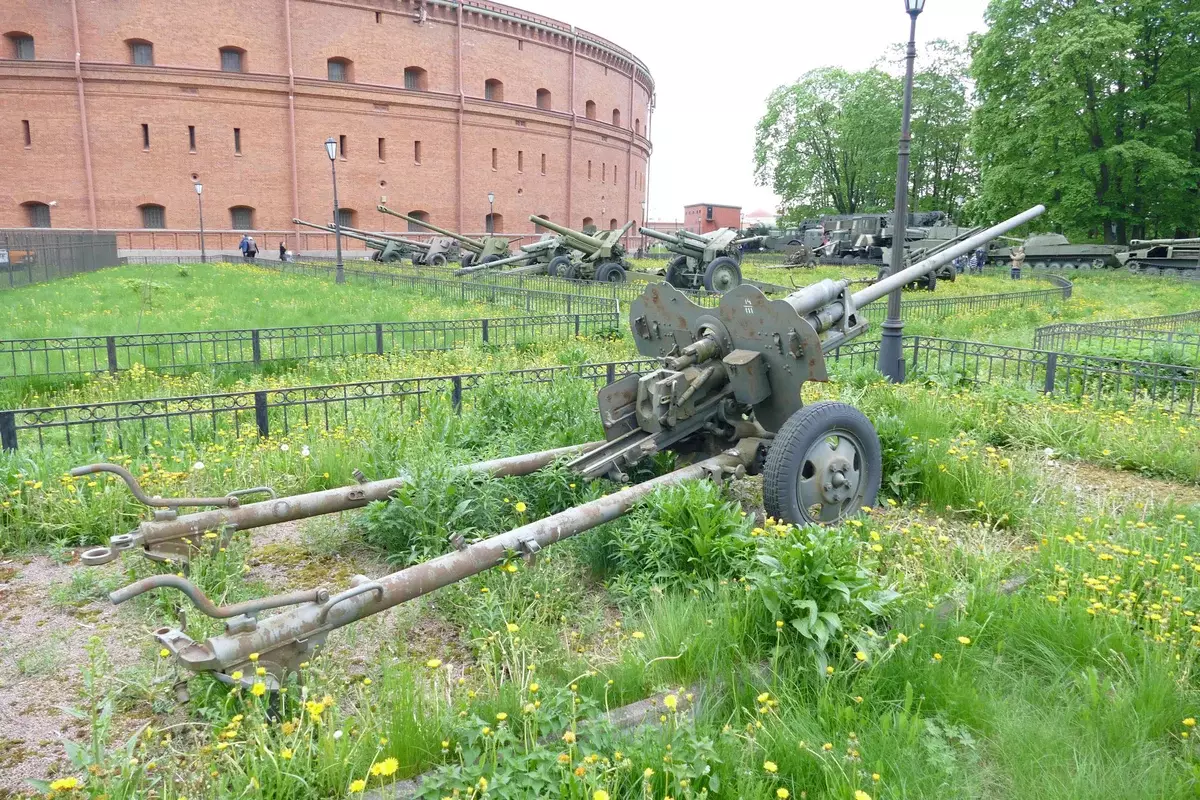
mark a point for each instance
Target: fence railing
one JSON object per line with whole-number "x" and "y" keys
{"x": 120, "y": 425}
{"x": 30, "y": 256}
{"x": 934, "y": 307}
{"x": 1066, "y": 331}
{"x": 1073, "y": 376}
{"x": 189, "y": 350}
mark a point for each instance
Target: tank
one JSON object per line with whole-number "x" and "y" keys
{"x": 1163, "y": 257}
{"x": 1055, "y": 251}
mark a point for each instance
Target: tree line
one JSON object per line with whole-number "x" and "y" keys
{"x": 1088, "y": 106}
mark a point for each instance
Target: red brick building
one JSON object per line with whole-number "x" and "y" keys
{"x": 705, "y": 217}
{"x": 434, "y": 105}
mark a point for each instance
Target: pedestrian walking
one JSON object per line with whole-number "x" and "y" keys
{"x": 251, "y": 249}
{"x": 282, "y": 252}
{"x": 244, "y": 245}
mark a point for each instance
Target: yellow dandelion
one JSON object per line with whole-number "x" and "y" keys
{"x": 258, "y": 689}
{"x": 513, "y": 628}
{"x": 638, "y": 635}
{"x": 520, "y": 506}
{"x": 671, "y": 701}
{"x": 782, "y": 793}
{"x": 860, "y": 655}
{"x": 964, "y": 640}
{"x": 771, "y": 767}
{"x": 599, "y": 794}
{"x": 433, "y": 663}
{"x": 357, "y": 785}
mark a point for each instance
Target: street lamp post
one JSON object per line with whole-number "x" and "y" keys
{"x": 891, "y": 352}
{"x": 331, "y": 151}
{"x": 200, "y": 200}
{"x": 491, "y": 226}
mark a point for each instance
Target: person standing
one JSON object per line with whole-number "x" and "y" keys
{"x": 251, "y": 249}
{"x": 244, "y": 245}
{"x": 282, "y": 252}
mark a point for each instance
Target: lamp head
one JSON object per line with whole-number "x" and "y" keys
{"x": 914, "y": 7}
{"x": 491, "y": 197}
{"x": 199, "y": 187}
{"x": 331, "y": 148}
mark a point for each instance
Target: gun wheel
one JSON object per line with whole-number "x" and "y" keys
{"x": 467, "y": 260}
{"x": 677, "y": 273}
{"x": 824, "y": 465}
{"x": 610, "y": 272}
{"x": 436, "y": 260}
{"x": 558, "y": 265}
{"x": 722, "y": 274}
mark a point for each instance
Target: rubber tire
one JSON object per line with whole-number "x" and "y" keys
{"x": 883, "y": 273}
{"x": 610, "y": 272}
{"x": 792, "y": 443}
{"x": 467, "y": 260}
{"x": 556, "y": 265}
{"x": 676, "y": 268}
{"x": 719, "y": 263}
{"x": 436, "y": 260}
{"x": 490, "y": 259}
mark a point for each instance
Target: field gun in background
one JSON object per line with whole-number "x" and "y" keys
{"x": 479, "y": 250}
{"x": 726, "y": 399}
{"x": 711, "y": 261}
{"x": 390, "y": 249}
{"x": 568, "y": 253}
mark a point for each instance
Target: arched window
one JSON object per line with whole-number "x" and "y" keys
{"x": 37, "y": 214}
{"x": 587, "y": 221}
{"x": 346, "y": 218}
{"x": 421, "y": 215}
{"x": 612, "y": 224}
{"x": 617, "y": 117}
{"x": 589, "y": 109}
{"x": 340, "y": 69}
{"x": 153, "y": 216}
{"x": 543, "y": 98}
{"x": 241, "y": 218}
{"x": 233, "y": 59}
{"x": 416, "y": 79}
{"x": 141, "y": 52}
{"x": 493, "y": 90}
{"x": 21, "y": 45}
{"x": 637, "y": 126}
{"x": 493, "y": 223}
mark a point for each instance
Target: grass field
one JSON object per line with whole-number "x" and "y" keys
{"x": 1016, "y": 618}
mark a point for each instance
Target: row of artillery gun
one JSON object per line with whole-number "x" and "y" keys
{"x": 709, "y": 261}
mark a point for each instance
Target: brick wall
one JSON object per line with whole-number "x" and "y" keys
{"x": 185, "y": 87}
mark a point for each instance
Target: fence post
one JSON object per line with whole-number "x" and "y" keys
{"x": 378, "y": 338}
{"x": 485, "y": 330}
{"x": 916, "y": 351}
{"x": 260, "y": 414}
{"x": 456, "y": 394}
{"x": 255, "y": 347}
{"x": 8, "y": 430}
{"x": 110, "y": 344}
{"x": 568, "y": 304}
{"x": 612, "y": 373}
{"x": 576, "y": 325}
{"x": 1051, "y": 369}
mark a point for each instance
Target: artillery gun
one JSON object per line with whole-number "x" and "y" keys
{"x": 481, "y": 250}
{"x": 390, "y": 249}
{"x": 727, "y": 394}
{"x": 709, "y": 260}
{"x": 1162, "y": 257}
{"x": 567, "y": 253}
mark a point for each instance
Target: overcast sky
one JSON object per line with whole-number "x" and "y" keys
{"x": 715, "y": 62}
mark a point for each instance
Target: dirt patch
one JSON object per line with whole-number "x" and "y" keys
{"x": 1090, "y": 480}
{"x": 41, "y": 663}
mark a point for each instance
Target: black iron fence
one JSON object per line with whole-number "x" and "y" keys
{"x": 126, "y": 424}
{"x": 1072, "y": 376}
{"x": 189, "y": 350}
{"x": 31, "y": 255}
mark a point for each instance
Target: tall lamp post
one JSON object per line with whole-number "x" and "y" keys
{"x": 891, "y": 351}
{"x": 200, "y": 200}
{"x": 331, "y": 150}
{"x": 491, "y": 226}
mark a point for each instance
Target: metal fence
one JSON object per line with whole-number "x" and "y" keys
{"x": 935, "y": 307}
{"x": 127, "y": 424}
{"x": 31, "y": 255}
{"x": 1073, "y": 376}
{"x": 188, "y": 350}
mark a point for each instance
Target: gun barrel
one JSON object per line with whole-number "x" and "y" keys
{"x": 573, "y": 237}
{"x": 501, "y": 262}
{"x": 662, "y": 237}
{"x": 474, "y": 245}
{"x": 906, "y": 276}
{"x": 387, "y": 237}
{"x": 351, "y": 233}
{"x": 1137, "y": 244}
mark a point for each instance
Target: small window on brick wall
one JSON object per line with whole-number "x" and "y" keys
{"x": 495, "y": 158}
{"x": 145, "y": 136}
{"x": 191, "y": 138}
{"x": 237, "y": 141}
{"x": 382, "y": 149}
{"x": 543, "y": 163}
{"x": 339, "y": 69}
{"x": 141, "y": 53}
{"x": 416, "y": 79}
{"x": 38, "y": 215}
{"x": 417, "y": 152}
{"x": 153, "y": 216}
{"x": 346, "y": 217}
{"x": 520, "y": 161}
{"x": 27, "y": 133}
{"x": 21, "y": 45}
{"x": 233, "y": 59}
{"x": 242, "y": 218}
{"x": 342, "y": 146}
{"x": 493, "y": 90}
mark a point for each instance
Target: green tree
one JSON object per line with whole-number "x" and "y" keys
{"x": 1090, "y": 107}
{"x": 827, "y": 143}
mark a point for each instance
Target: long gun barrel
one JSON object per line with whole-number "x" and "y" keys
{"x": 353, "y": 233}
{"x": 1140, "y": 243}
{"x": 387, "y": 237}
{"x": 474, "y": 245}
{"x": 662, "y": 237}
{"x": 573, "y": 237}
{"x": 819, "y": 305}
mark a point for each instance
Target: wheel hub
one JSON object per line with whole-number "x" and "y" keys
{"x": 841, "y": 481}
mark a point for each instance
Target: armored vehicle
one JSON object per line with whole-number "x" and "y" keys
{"x": 1055, "y": 251}
{"x": 1162, "y": 257}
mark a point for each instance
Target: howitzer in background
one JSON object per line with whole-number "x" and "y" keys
{"x": 478, "y": 251}
{"x": 728, "y": 393}
{"x": 389, "y": 248}
{"x": 704, "y": 260}
{"x": 551, "y": 254}
{"x": 596, "y": 256}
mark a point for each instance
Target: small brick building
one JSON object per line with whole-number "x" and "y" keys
{"x": 705, "y": 217}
